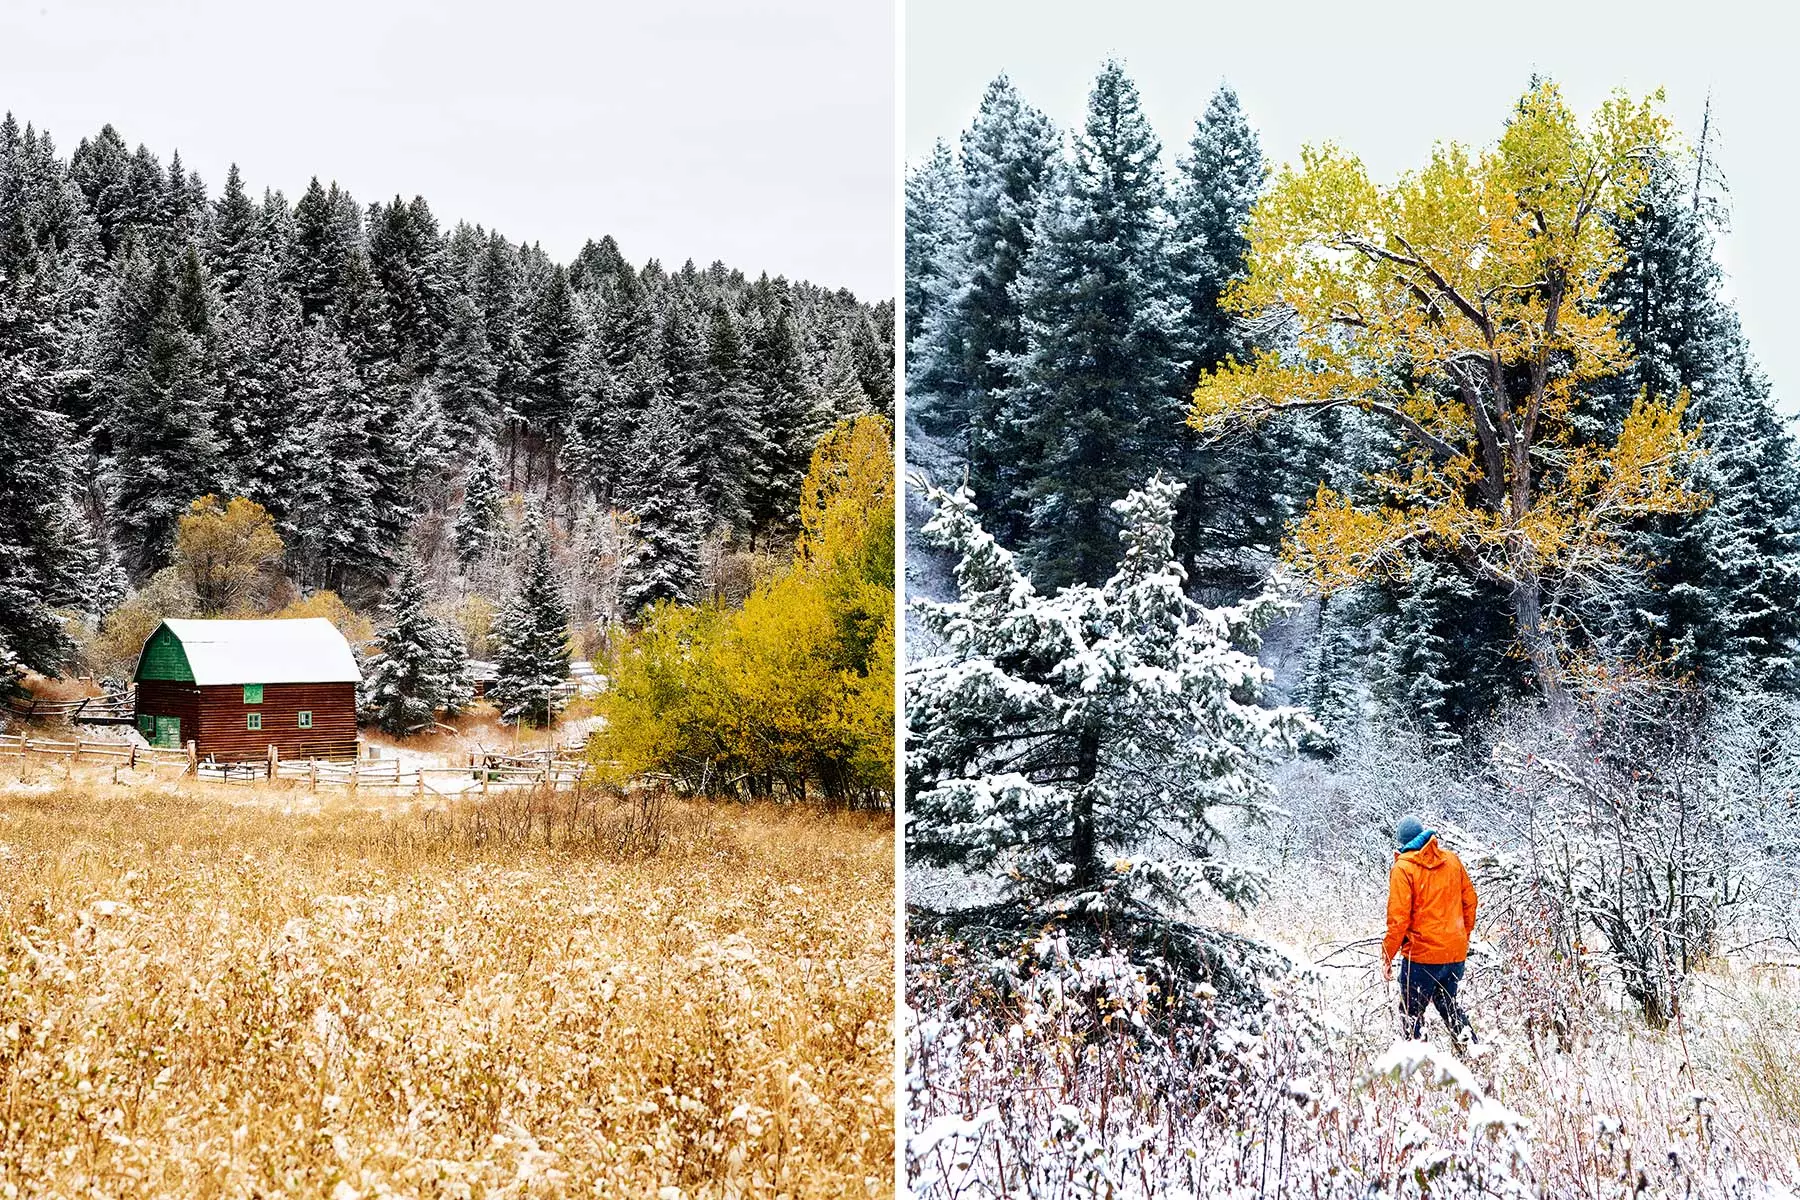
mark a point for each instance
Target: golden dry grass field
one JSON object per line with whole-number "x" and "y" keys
{"x": 221, "y": 993}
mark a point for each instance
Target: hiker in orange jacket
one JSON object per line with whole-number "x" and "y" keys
{"x": 1430, "y": 914}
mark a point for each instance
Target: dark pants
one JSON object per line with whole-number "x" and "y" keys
{"x": 1423, "y": 985}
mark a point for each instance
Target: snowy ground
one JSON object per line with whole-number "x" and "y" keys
{"x": 1044, "y": 1094}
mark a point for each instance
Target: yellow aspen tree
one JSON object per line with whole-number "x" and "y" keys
{"x": 1461, "y": 304}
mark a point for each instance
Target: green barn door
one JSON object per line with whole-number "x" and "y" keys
{"x": 168, "y": 732}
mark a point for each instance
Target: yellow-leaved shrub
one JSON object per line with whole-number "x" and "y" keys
{"x": 793, "y": 694}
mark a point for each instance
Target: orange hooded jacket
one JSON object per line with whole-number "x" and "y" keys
{"x": 1431, "y": 906}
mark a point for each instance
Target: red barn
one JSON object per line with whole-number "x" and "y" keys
{"x": 235, "y": 688}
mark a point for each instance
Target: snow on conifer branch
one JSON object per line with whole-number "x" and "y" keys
{"x": 1085, "y": 741}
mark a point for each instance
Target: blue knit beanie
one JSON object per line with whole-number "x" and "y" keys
{"x": 1408, "y": 829}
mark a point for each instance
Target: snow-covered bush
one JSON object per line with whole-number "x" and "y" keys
{"x": 1613, "y": 824}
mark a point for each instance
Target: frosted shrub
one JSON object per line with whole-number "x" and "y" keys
{"x": 1614, "y": 827}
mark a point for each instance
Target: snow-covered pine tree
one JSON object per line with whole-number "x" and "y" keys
{"x": 163, "y": 397}
{"x": 479, "y": 518}
{"x": 423, "y": 445}
{"x": 406, "y": 257}
{"x": 933, "y": 234}
{"x": 1088, "y": 741}
{"x": 235, "y": 251}
{"x": 556, "y": 341}
{"x": 329, "y": 518}
{"x": 36, "y": 478}
{"x": 417, "y": 666}
{"x": 498, "y": 292}
{"x": 107, "y": 585}
{"x": 963, "y": 362}
{"x": 100, "y": 167}
{"x": 322, "y": 246}
{"x": 1721, "y": 599}
{"x": 841, "y": 390}
{"x": 1415, "y": 675}
{"x": 531, "y": 634}
{"x": 467, "y": 374}
{"x": 1097, "y": 394}
{"x": 871, "y": 336}
{"x": 788, "y": 413}
{"x": 725, "y": 435}
{"x": 1232, "y": 514}
{"x": 47, "y": 243}
{"x": 659, "y": 492}
{"x": 259, "y": 364}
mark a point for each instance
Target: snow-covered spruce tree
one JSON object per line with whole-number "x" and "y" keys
{"x": 37, "y": 475}
{"x": 479, "y": 516}
{"x": 933, "y": 219}
{"x": 531, "y": 634}
{"x": 1722, "y": 596}
{"x": 659, "y": 491}
{"x": 1097, "y": 398}
{"x": 961, "y": 362}
{"x": 418, "y": 666}
{"x": 1085, "y": 742}
{"x": 1332, "y": 686}
{"x": 1415, "y": 665}
{"x": 162, "y": 397}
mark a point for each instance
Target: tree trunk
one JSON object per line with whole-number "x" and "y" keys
{"x": 1539, "y": 647}
{"x": 1082, "y": 847}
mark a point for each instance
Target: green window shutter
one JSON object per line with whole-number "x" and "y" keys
{"x": 253, "y": 720}
{"x": 146, "y": 725}
{"x": 305, "y": 719}
{"x": 253, "y": 693}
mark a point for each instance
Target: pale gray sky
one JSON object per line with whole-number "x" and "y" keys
{"x": 1387, "y": 79}
{"x": 761, "y": 134}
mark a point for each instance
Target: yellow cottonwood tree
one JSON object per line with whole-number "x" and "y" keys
{"x": 1461, "y": 304}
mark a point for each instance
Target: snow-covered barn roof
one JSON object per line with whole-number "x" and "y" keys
{"x": 300, "y": 650}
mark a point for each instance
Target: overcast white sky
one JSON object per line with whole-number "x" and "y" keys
{"x": 1387, "y": 79}
{"x": 758, "y": 133}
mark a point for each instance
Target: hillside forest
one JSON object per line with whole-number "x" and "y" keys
{"x": 217, "y": 403}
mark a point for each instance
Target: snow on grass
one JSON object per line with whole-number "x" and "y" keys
{"x": 200, "y": 998}
{"x": 1049, "y": 1092}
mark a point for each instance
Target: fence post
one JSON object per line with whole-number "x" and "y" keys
{"x": 274, "y": 762}
{"x": 133, "y": 762}
{"x": 312, "y": 775}
{"x": 193, "y": 762}
{"x": 355, "y": 765}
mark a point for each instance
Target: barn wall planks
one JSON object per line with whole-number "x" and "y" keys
{"x": 214, "y": 717}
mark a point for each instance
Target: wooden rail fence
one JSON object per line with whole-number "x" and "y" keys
{"x": 133, "y": 755}
{"x": 484, "y": 772}
{"x": 114, "y": 708}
